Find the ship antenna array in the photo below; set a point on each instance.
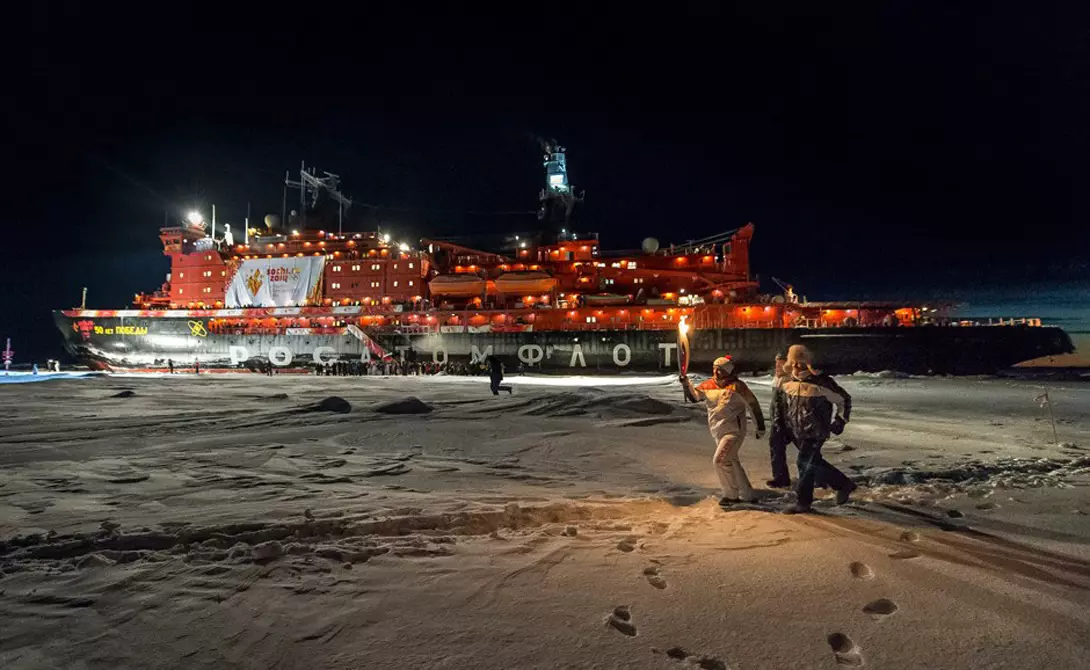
(310, 182)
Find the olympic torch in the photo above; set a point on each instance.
(683, 355)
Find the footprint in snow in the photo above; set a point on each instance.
(845, 651)
(880, 608)
(621, 620)
(861, 570)
(653, 577)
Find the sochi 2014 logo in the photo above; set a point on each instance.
(283, 274)
(254, 282)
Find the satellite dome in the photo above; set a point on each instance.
(650, 245)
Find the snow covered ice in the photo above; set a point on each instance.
(215, 521)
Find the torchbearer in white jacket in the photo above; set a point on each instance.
(727, 398)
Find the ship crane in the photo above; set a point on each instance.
(788, 291)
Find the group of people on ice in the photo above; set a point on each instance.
(807, 407)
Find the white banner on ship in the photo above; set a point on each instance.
(276, 282)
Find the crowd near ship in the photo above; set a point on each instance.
(301, 291)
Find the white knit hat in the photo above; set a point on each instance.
(724, 362)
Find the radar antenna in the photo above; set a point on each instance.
(311, 184)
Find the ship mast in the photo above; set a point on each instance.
(310, 183)
(558, 198)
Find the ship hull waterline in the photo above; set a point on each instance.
(141, 343)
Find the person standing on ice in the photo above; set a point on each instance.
(727, 398)
(804, 415)
(495, 372)
(777, 440)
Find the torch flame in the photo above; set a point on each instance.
(683, 327)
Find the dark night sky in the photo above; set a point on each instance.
(882, 149)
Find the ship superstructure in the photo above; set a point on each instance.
(301, 288)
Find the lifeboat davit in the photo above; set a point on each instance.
(527, 283)
(457, 286)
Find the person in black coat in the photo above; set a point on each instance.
(804, 414)
(777, 440)
(495, 372)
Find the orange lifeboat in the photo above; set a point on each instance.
(607, 299)
(457, 286)
(525, 283)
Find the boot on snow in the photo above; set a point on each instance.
(843, 494)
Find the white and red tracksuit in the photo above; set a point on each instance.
(727, 422)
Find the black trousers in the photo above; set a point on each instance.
(777, 452)
(496, 387)
(811, 467)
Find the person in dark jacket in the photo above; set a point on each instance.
(804, 414)
(777, 439)
(495, 371)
